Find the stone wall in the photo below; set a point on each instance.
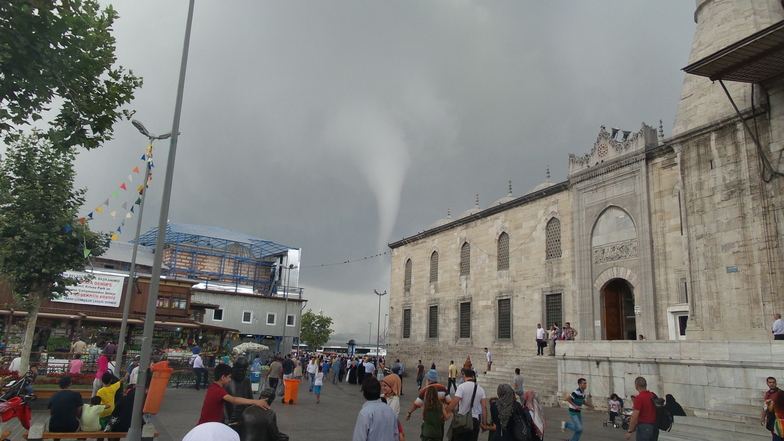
(719, 379)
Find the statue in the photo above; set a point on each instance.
(259, 424)
(239, 386)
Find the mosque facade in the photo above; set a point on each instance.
(678, 239)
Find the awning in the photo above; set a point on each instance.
(754, 59)
(205, 305)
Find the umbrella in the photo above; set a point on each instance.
(249, 347)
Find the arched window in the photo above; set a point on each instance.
(503, 252)
(407, 277)
(553, 239)
(465, 259)
(434, 267)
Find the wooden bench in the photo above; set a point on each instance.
(39, 432)
(4, 436)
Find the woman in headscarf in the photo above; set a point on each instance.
(352, 373)
(390, 385)
(501, 413)
(535, 410)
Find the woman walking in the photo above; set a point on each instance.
(433, 416)
(502, 412)
(352, 373)
(390, 385)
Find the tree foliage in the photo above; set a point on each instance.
(315, 329)
(60, 53)
(40, 236)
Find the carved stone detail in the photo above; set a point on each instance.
(612, 252)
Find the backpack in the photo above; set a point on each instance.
(663, 418)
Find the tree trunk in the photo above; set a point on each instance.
(32, 318)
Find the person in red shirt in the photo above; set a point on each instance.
(774, 403)
(644, 416)
(212, 409)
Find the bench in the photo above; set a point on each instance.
(4, 436)
(39, 432)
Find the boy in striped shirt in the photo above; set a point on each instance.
(576, 401)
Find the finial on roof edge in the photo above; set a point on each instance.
(661, 129)
(548, 173)
(477, 200)
(510, 188)
(449, 213)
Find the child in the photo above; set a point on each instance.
(107, 393)
(491, 427)
(90, 421)
(76, 364)
(212, 409)
(615, 407)
(317, 385)
(433, 416)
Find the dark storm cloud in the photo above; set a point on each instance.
(340, 126)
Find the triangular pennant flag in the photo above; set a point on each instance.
(99, 209)
(140, 188)
(87, 252)
(90, 215)
(132, 209)
(130, 179)
(138, 201)
(113, 213)
(114, 195)
(119, 230)
(128, 215)
(136, 169)
(144, 158)
(114, 237)
(152, 164)
(123, 186)
(67, 228)
(125, 205)
(81, 220)
(106, 202)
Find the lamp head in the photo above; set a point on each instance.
(140, 127)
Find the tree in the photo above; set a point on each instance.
(40, 236)
(315, 329)
(61, 53)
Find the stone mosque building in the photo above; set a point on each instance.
(678, 239)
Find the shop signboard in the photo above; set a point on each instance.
(94, 289)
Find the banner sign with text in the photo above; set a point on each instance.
(101, 290)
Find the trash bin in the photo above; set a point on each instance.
(291, 389)
(255, 377)
(160, 379)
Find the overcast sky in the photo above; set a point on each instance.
(341, 126)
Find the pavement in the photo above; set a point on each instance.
(332, 419)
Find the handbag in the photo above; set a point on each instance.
(522, 427)
(463, 423)
(770, 421)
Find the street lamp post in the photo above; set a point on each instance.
(135, 430)
(286, 300)
(370, 329)
(132, 272)
(378, 323)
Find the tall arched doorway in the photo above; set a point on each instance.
(619, 321)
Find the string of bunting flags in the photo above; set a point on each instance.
(125, 212)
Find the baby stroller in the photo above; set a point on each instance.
(625, 417)
(15, 401)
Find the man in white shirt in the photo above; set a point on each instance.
(369, 368)
(467, 392)
(200, 371)
(540, 339)
(489, 359)
(778, 327)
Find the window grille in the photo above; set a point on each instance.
(553, 238)
(553, 310)
(465, 259)
(406, 323)
(465, 320)
(432, 323)
(247, 316)
(434, 267)
(271, 319)
(407, 278)
(217, 315)
(290, 320)
(504, 318)
(503, 252)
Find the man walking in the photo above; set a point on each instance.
(467, 393)
(540, 339)
(452, 377)
(398, 369)
(420, 374)
(288, 366)
(569, 333)
(774, 408)
(79, 347)
(644, 416)
(778, 327)
(274, 373)
(576, 401)
(489, 360)
(336, 371)
(376, 420)
(199, 370)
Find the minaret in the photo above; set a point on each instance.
(720, 23)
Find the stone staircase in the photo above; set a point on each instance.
(540, 374)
